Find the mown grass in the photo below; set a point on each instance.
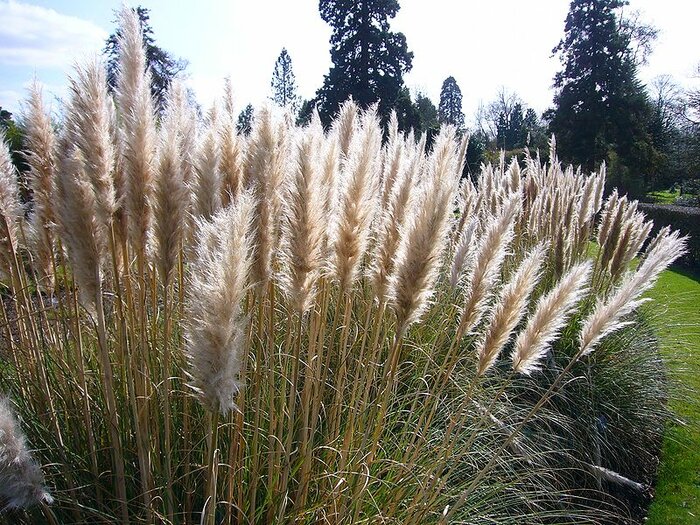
(677, 500)
(664, 196)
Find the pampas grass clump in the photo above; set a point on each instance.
(311, 325)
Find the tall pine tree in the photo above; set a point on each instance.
(601, 111)
(284, 84)
(162, 65)
(450, 107)
(369, 60)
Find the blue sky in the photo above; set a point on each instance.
(484, 45)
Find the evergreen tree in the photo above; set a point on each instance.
(369, 60)
(428, 116)
(476, 149)
(284, 84)
(245, 120)
(510, 127)
(406, 112)
(450, 108)
(306, 110)
(601, 110)
(534, 133)
(163, 66)
(14, 137)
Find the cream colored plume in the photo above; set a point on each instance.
(420, 253)
(266, 169)
(137, 128)
(358, 201)
(305, 220)
(231, 144)
(550, 316)
(171, 195)
(10, 209)
(609, 315)
(21, 478)
(208, 177)
(78, 224)
(88, 122)
(509, 310)
(41, 158)
(492, 251)
(216, 324)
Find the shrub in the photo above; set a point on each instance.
(683, 218)
(297, 326)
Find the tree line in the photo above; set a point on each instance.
(649, 136)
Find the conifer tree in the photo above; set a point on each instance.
(602, 112)
(450, 108)
(369, 60)
(283, 83)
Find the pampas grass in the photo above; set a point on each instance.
(21, 478)
(41, 142)
(216, 330)
(10, 210)
(305, 325)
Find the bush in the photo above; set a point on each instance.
(297, 327)
(686, 219)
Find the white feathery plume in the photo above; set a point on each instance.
(419, 256)
(10, 209)
(89, 121)
(208, 178)
(509, 310)
(171, 194)
(608, 315)
(358, 201)
(390, 227)
(550, 316)
(265, 173)
(215, 330)
(305, 221)
(345, 126)
(231, 164)
(78, 223)
(492, 251)
(464, 252)
(21, 478)
(663, 232)
(41, 158)
(393, 155)
(137, 128)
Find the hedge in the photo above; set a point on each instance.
(683, 218)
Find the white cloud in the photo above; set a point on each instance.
(39, 37)
(9, 100)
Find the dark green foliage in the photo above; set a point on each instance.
(245, 120)
(475, 153)
(428, 115)
(615, 406)
(407, 112)
(534, 132)
(601, 110)
(163, 66)
(369, 60)
(283, 83)
(450, 108)
(510, 128)
(683, 218)
(520, 127)
(14, 138)
(306, 109)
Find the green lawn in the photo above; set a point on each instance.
(664, 196)
(677, 315)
